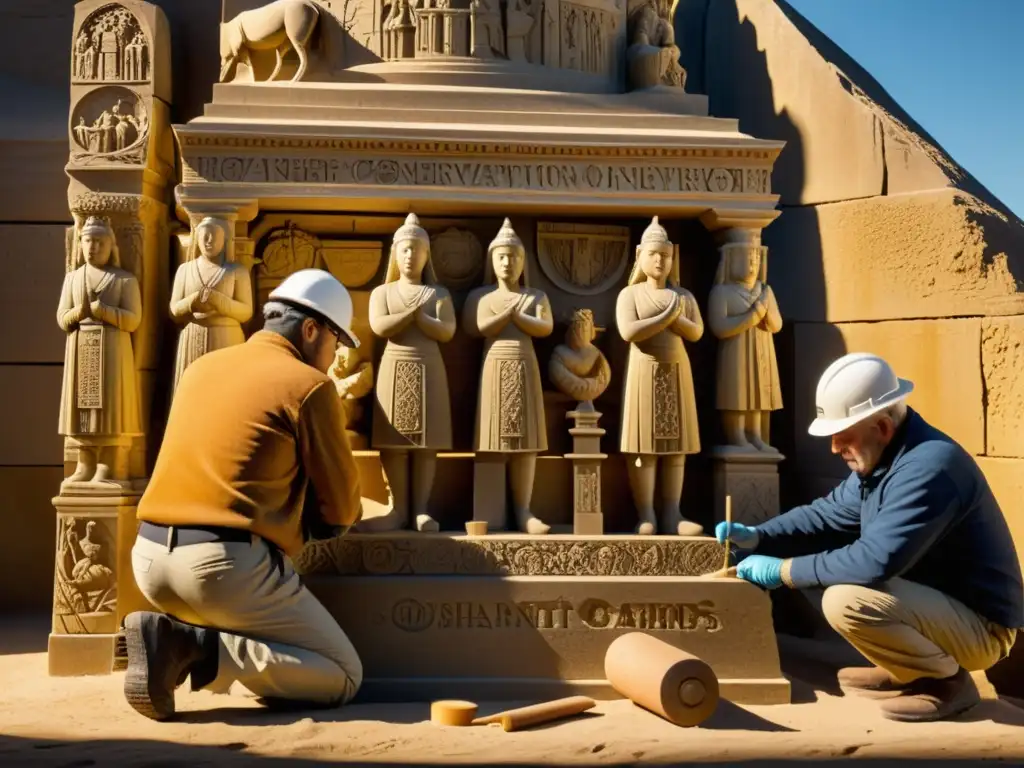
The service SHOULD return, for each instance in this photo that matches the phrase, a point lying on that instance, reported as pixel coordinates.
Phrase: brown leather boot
(872, 682)
(929, 699)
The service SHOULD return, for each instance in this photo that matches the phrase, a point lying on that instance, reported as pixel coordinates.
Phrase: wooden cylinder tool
(721, 573)
(728, 525)
(669, 682)
(536, 714)
(452, 712)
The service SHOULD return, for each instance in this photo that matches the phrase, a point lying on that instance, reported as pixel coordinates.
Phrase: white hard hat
(854, 387)
(321, 292)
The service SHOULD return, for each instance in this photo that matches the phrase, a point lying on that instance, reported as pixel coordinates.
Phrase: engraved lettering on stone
(666, 401)
(111, 46)
(687, 617)
(583, 259)
(563, 176)
(409, 397)
(85, 587)
(412, 615)
(89, 380)
(361, 554)
(512, 375)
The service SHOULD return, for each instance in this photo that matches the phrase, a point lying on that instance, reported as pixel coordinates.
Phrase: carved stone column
(747, 385)
(120, 164)
(586, 457)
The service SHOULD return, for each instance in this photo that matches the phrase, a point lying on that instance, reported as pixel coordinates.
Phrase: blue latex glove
(761, 570)
(741, 535)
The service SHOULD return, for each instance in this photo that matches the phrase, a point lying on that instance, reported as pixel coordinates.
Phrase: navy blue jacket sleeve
(826, 523)
(919, 502)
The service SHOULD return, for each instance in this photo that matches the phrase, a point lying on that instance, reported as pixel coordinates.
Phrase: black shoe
(161, 654)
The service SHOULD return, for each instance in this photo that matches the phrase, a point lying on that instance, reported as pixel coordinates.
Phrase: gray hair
(286, 320)
(897, 412)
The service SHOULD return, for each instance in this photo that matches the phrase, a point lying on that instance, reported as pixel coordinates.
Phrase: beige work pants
(276, 639)
(914, 631)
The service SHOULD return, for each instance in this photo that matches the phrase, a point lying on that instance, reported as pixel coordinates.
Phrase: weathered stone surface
(752, 482)
(941, 357)
(510, 554)
(421, 635)
(29, 395)
(32, 263)
(932, 254)
(1002, 356)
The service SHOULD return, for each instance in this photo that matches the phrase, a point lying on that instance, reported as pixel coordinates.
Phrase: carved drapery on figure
(652, 56)
(111, 47)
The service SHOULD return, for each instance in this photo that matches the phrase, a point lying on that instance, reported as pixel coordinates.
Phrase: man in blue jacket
(919, 570)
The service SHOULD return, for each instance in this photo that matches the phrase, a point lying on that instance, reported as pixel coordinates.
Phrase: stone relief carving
(583, 259)
(211, 296)
(523, 17)
(586, 38)
(578, 368)
(288, 250)
(412, 416)
(508, 314)
(494, 555)
(85, 585)
(354, 263)
(458, 257)
(655, 315)
(280, 26)
(100, 306)
(744, 315)
(110, 47)
(110, 125)
(353, 380)
(652, 56)
(487, 35)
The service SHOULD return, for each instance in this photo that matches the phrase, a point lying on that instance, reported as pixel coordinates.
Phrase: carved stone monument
(474, 114)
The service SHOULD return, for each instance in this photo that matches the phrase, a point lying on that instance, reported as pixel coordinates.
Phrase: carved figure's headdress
(410, 230)
(732, 251)
(95, 225)
(655, 235)
(506, 237)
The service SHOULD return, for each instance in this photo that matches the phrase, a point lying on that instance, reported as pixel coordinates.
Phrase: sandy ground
(77, 722)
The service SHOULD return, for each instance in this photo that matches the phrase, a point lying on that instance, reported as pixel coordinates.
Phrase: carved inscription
(90, 367)
(594, 613)
(655, 177)
(588, 490)
(408, 418)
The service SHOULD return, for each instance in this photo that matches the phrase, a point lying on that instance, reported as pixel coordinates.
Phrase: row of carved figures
(212, 298)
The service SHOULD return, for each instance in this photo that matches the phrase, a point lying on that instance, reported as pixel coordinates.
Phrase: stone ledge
(411, 554)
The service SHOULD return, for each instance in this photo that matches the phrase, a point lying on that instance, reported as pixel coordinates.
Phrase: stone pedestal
(512, 616)
(586, 457)
(752, 479)
(94, 587)
(489, 490)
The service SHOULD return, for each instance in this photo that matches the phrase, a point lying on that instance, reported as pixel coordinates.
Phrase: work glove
(743, 536)
(761, 570)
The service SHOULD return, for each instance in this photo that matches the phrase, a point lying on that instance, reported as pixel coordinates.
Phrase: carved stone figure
(652, 55)
(509, 314)
(211, 295)
(743, 314)
(578, 368)
(353, 379)
(100, 306)
(486, 31)
(659, 413)
(412, 411)
(84, 580)
(277, 26)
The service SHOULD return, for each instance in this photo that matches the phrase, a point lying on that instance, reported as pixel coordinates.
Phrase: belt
(182, 535)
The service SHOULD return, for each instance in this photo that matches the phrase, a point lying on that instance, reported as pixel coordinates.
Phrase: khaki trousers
(914, 631)
(276, 639)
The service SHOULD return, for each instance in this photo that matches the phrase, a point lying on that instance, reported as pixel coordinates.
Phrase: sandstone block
(29, 402)
(1006, 478)
(932, 254)
(32, 263)
(751, 480)
(1002, 356)
(941, 357)
(26, 556)
(526, 637)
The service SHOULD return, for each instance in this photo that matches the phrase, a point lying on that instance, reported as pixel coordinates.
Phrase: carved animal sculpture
(278, 26)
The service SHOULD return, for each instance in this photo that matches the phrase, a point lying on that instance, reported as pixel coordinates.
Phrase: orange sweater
(249, 427)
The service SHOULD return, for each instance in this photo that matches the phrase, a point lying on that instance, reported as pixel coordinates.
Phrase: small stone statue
(743, 315)
(510, 408)
(211, 295)
(412, 411)
(353, 379)
(652, 55)
(100, 307)
(659, 412)
(578, 368)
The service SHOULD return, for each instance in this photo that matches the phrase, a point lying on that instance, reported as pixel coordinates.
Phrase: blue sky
(956, 66)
